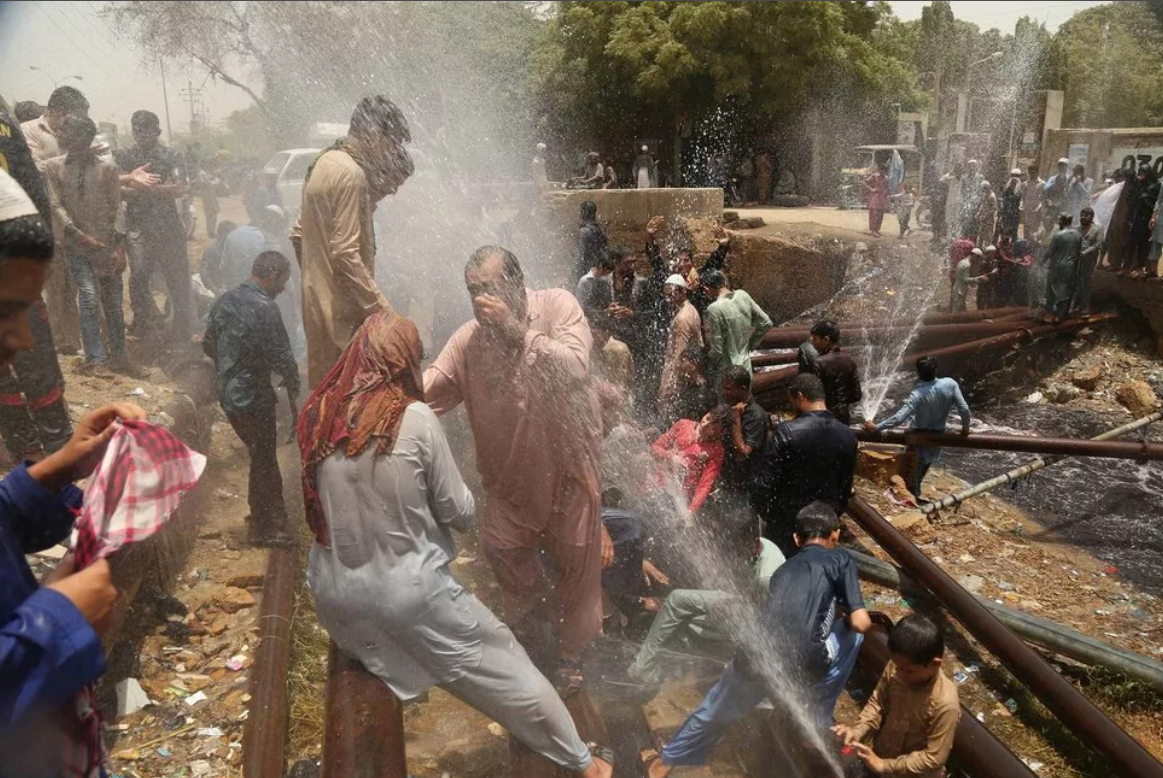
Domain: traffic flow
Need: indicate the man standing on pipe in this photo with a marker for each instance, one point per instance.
(929, 405)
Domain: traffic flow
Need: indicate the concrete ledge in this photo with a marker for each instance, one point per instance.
(1144, 296)
(630, 209)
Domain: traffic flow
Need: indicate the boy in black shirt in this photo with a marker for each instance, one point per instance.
(816, 647)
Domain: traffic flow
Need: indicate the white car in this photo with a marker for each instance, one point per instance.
(290, 167)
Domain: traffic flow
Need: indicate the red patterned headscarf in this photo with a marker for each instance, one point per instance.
(362, 399)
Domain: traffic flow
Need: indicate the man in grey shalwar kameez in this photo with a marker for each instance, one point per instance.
(1061, 260)
(381, 492)
(1092, 239)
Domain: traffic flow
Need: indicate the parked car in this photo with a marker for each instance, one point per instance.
(290, 167)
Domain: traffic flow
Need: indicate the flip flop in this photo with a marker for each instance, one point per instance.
(568, 678)
(646, 758)
(605, 753)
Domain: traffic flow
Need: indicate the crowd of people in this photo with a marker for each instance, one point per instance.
(1039, 243)
(614, 425)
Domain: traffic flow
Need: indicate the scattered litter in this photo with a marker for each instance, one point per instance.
(980, 717)
(236, 662)
(1005, 586)
(1034, 398)
(965, 559)
(199, 767)
(164, 752)
(131, 697)
(960, 676)
(138, 392)
(1011, 705)
(496, 729)
(56, 552)
(194, 699)
(128, 755)
(209, 732)
(1033, 764)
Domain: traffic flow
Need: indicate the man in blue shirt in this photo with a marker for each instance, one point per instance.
(50, 645)
(805, 657)
(929, 405)
(246, 339)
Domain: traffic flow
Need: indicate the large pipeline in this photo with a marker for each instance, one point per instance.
(1029, 445)
(265, 733)
(1021, 472)
(1047, 634)
(1079, 714)
(995, 314)
(779, 338)
(363, 735)
(976, 751)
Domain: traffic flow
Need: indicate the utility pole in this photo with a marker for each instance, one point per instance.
(166, 98)
(194, 98)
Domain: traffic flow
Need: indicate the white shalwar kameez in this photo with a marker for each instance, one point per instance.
(385, 594)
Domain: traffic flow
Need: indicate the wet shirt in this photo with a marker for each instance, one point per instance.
(246, 339)
(735, 323)
(913, 726)
(841, 380)
(148, 210)
(699, 461)
(1091, 243)
(929, 405)
(48, 651)
(86, 198)
(811, 457)
(686, 330)
(591, 247)
(595, 295)
(802, 600)
(239, 251)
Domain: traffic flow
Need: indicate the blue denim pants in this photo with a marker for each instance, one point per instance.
(95, 290)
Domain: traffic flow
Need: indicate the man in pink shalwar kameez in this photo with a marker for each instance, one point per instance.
(521, 368)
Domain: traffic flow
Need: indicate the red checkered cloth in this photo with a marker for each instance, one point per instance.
(134, 490)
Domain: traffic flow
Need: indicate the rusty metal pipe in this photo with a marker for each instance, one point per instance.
(363, 735)
(800, 333)
(265, 733)
(1017, 336)
(976, 751)
(1078, 713)
(968, 330)
(1112, 449)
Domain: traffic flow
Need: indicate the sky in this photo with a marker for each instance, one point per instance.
(1002, 15)
(70, 38)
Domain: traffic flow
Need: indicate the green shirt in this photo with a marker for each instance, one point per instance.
(735, 325)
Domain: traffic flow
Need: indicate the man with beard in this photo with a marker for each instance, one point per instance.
(334, 238)
(1092, 237)
(522, 369)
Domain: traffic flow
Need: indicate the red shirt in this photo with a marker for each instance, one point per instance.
(701, 460)
(876, 191)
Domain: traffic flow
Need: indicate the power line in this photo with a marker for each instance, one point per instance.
(65, 33)
(83, 47)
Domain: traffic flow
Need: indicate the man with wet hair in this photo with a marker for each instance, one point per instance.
(809, 458)
(155, 233)
(595, 290)
(334, 238)
(246, 339)
(521, 367)
(807, 644)
(747, 434)
(821, 356)
(86, 199)
(928, 406)
(685, 330)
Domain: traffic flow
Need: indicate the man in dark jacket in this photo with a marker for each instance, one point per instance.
(812, 457)
(821, 356)
(246, 339)
(591, 241)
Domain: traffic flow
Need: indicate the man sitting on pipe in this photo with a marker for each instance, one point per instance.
(929, 405)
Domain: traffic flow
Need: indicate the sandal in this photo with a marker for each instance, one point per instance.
(646, 758)
(568, 678)
(605, 753)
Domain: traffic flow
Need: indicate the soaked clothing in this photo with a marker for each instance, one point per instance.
(615, 364)
(389, 518)
(591, 247)
(1062, 258)
(734, 325)
(48, 651)
(239, 251)
(157, 242)
(246, 339)
(840, 377)
(86, 198)
(535, 424)
(913, 726)
(337, 250)
(686, 330)
(595, 294)
(929, 405)
(739, 472)
(33, 416)
(706, 612)
(811, 457)
(699, 461)
(1092, 240)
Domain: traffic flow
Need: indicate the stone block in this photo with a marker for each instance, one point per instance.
(1137, 397)
(1087, 378)
(880, 463)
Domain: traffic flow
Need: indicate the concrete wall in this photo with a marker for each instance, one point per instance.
(1144, 296)
(632, 208)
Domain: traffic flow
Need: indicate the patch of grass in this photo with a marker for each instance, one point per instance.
(306, 677)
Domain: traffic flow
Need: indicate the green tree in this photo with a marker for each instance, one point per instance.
(1107, 64)
(616, 69)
